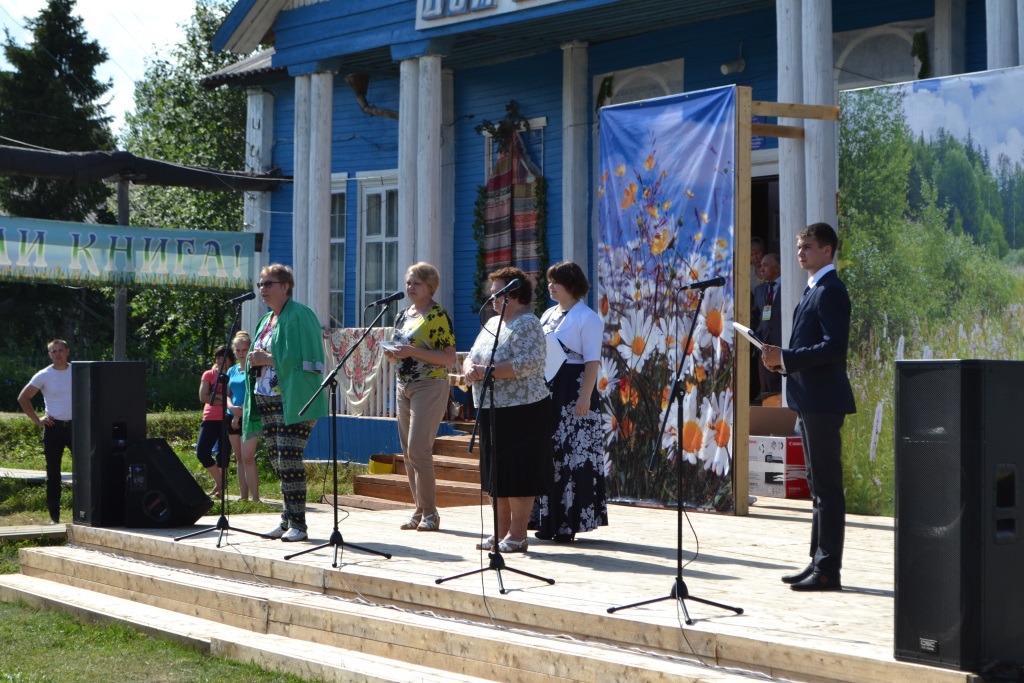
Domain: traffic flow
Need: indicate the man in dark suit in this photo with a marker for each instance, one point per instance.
(819, 390)
(766, 318)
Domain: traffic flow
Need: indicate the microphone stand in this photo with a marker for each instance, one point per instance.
(679, 590)
(497, 562)
(224, 444)
(336, 540)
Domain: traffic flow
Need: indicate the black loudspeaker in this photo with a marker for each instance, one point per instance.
(108, 414)
(959, 548)
(159, 490)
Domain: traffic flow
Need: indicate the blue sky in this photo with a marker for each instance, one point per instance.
(131, 31)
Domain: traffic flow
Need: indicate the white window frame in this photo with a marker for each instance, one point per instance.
(536, 126)
(339, 186)
(377, 183)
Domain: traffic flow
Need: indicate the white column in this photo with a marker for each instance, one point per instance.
(259, 147)
(318, 249)
(792, 176)
(1020, 32)
(821, 137)
(1001, 33)
(300, 186)
(428, 162)
(575, 170)
(446, 259)
(948, 51)
(408, 115)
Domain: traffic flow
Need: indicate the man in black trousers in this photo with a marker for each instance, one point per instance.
(818, 389)
(766, 318)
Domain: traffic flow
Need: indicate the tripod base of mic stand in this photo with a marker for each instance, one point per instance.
(338, 542)
(223, 527)
(680, 593)
(497, 564)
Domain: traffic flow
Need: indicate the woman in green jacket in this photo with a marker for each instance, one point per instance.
(286, 367)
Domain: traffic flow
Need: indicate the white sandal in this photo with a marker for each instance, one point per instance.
(431, 522)
(412, 523)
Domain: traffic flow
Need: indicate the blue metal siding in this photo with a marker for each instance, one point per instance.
(976, 49)
(705, 47)
(535, 84)
(847, 16)
(342, 27)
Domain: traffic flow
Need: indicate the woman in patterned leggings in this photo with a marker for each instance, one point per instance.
(286, 365)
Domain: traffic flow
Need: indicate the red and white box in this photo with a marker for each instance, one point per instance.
(776, 455)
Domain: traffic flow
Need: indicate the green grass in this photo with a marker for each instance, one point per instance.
(20, 448)
(43, 647)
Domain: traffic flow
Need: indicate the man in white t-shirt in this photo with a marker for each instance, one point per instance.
(55, 383)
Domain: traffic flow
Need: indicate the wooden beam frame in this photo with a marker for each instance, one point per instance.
(746, 108)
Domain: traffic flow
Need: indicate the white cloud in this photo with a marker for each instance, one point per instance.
(985, 105)
(131, 31)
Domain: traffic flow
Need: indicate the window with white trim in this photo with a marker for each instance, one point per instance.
(337, 267)
(378, 229)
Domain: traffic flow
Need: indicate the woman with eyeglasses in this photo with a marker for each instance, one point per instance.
(286, 366)
(245, 451)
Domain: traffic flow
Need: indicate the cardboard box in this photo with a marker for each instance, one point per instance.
(776, 466)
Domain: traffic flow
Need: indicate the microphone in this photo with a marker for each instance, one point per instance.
(248, 296)
(397, 296)
(713, 282)
(506, 289)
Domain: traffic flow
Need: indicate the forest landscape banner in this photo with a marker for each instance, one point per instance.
(666, 207)
(931, 227)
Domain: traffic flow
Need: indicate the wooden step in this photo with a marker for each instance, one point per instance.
(396, 487)
(307, 659)
(456, 445)
(447, 468)
(408, 638)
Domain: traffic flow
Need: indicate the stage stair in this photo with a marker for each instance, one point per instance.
(456, 469)
(325, 624)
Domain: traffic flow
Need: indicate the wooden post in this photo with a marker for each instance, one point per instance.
(575, 181)
(408, 115)
(741, 289)
(428, 170)
(318, 246)
(121, 294)
(300, 186)
(1001, 33)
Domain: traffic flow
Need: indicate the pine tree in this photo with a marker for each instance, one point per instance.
(52, 99)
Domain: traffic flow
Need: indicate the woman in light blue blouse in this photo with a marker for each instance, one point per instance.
(522, 412)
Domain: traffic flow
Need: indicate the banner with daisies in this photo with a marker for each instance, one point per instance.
(666, 202)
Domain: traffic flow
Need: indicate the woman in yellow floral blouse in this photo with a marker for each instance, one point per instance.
(424, 348)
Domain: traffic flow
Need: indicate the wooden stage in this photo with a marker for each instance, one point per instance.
(465, 630)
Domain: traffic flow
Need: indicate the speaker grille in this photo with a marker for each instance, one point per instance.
(956, 430)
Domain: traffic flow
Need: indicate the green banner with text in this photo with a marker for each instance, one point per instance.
(65, 253)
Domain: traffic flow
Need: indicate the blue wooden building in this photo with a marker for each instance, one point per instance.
(372, 107)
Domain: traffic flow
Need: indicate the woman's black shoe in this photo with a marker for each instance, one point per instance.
(544, 536)
(564, 538)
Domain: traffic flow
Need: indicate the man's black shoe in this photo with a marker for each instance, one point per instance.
(818, 582)
(799, 576)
